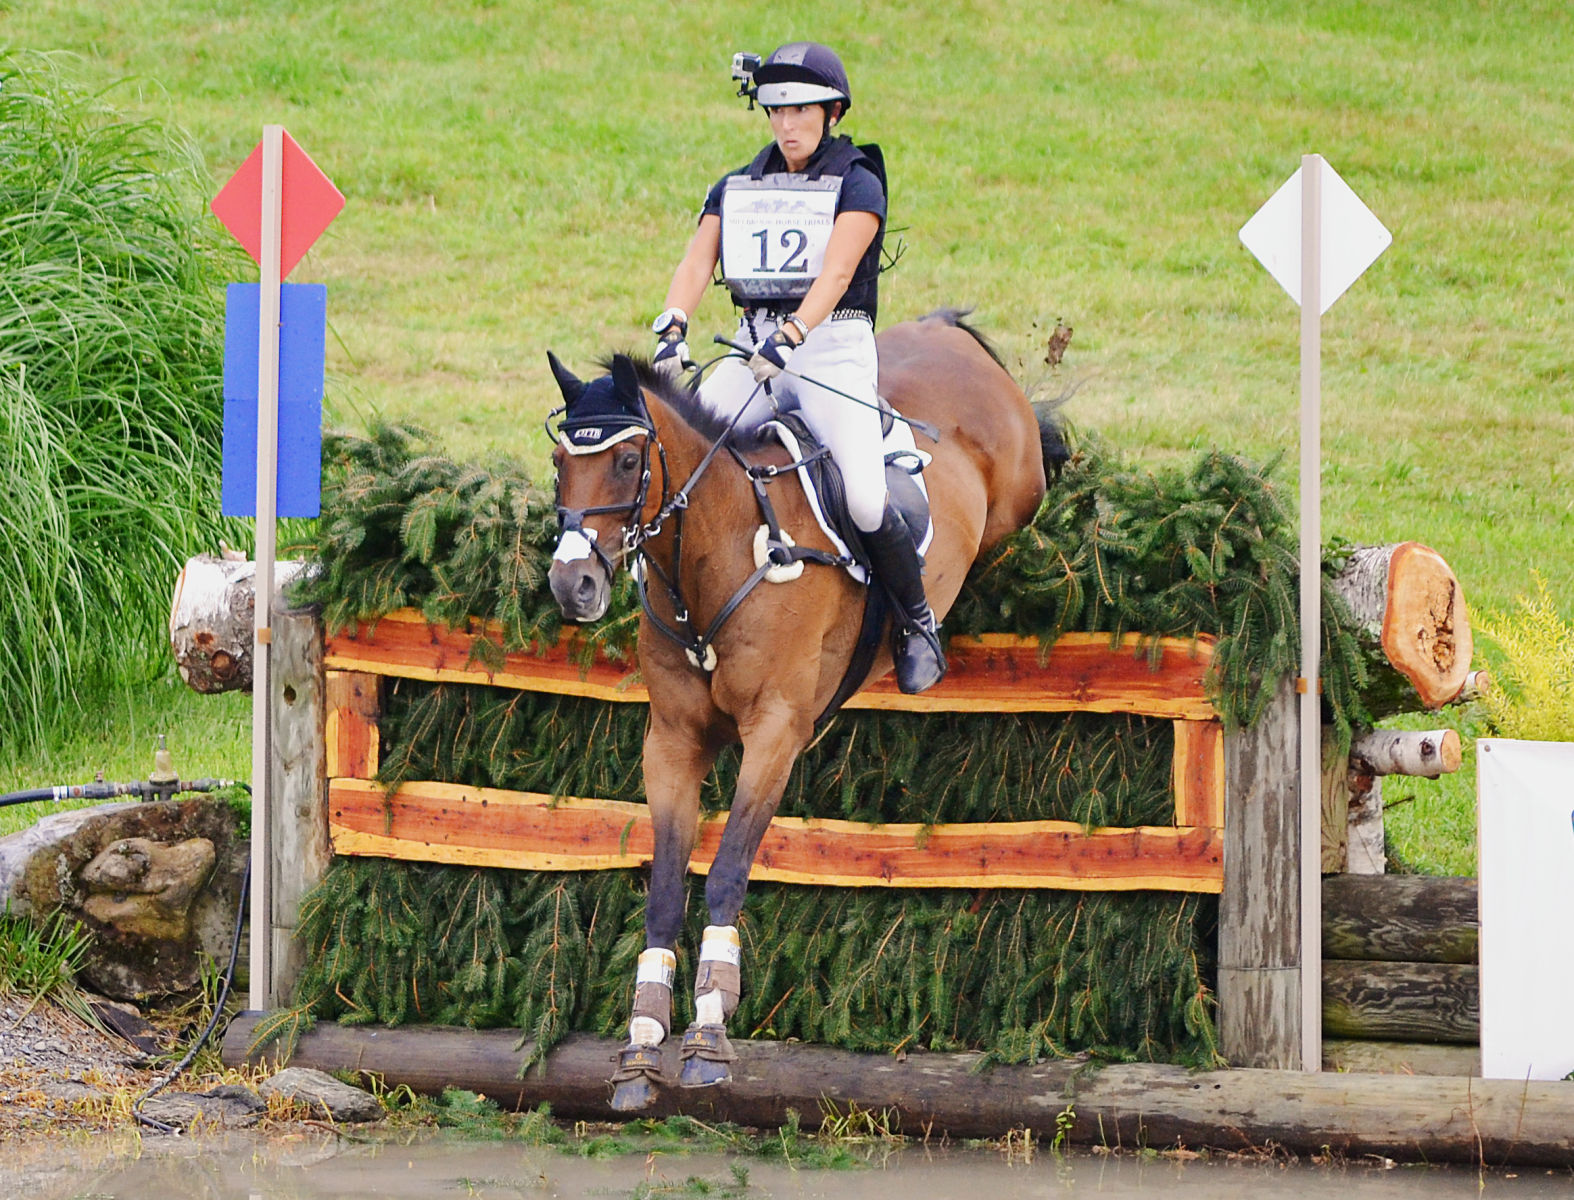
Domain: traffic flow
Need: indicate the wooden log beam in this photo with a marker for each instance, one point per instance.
(1412, 1002)
(1426, 754)
(1400, 918)
(989, 673)
(1138, 1105)
(451, 823)
(1410, 610)
(1401, 1058)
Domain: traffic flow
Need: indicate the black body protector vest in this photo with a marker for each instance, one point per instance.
(775, 226)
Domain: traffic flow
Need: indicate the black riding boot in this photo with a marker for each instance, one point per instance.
(920, 663)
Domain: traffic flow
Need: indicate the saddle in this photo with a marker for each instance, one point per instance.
(822, 484)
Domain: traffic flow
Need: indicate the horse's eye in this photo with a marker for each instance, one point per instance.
(628, 461)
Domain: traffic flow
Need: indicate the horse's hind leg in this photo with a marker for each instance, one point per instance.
(676, 761)
(768, 754)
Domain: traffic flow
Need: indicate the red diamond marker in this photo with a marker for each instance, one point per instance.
(310, 203)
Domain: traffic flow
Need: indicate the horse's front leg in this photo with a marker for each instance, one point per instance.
(770, 746)
(676, 761)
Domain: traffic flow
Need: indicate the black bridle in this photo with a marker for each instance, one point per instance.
(697, 646)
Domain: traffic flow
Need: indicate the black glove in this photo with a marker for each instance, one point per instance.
(672, 350)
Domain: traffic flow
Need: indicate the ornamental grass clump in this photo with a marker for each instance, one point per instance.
(111, 361)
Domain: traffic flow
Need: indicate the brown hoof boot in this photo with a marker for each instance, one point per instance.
(634, 1082)
(706, 1053)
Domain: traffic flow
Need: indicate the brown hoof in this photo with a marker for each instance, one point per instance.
(706, 1054)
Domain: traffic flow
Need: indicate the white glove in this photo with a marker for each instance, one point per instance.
(672, 350)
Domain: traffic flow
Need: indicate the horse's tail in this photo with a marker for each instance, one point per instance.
(1051, 429)
(1052, 434)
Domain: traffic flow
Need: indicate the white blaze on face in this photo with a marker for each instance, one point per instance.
(574, 545)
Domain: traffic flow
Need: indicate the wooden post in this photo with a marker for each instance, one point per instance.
(267, 540)
(1260, 1008)
(297, 841)
(1310, 902)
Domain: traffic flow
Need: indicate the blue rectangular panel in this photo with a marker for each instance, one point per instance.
(303, 324)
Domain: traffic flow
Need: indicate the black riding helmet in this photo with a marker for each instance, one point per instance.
(802, 73)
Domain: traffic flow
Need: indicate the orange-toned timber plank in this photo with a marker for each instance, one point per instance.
(1198, 774)
(436, 822)
(354, 704)
(989, 673)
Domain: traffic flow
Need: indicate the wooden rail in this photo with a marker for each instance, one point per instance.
(440, 822)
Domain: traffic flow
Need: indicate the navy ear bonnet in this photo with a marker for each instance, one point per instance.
(601, 412)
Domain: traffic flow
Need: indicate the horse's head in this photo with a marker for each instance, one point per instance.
(603, 475)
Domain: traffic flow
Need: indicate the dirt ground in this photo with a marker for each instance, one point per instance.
(59, 1074)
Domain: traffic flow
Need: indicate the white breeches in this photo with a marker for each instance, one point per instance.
(840, 353)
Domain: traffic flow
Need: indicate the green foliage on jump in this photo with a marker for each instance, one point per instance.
(1019, 974)
(111, 356)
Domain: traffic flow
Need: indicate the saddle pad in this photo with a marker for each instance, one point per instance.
(900, 452)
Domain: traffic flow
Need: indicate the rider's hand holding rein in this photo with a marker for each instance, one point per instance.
(672, 347)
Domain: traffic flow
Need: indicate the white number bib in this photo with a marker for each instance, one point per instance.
(774, 232)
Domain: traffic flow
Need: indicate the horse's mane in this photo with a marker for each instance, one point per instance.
(685, 402)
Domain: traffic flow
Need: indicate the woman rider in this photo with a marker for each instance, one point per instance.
(798, 233)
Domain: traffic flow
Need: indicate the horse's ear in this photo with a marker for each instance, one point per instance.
(625, 383)
(568, 383)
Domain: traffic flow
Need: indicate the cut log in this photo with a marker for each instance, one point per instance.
(1410, 614)
(1427, 754)
(1366, 850)
(1409, 1002)
(1477, 685)
(1400, 918)
(1135, 1105)
(212, 620)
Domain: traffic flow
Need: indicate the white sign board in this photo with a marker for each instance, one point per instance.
(1525, 809)
(1351, 239)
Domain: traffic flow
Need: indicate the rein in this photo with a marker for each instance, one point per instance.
(698, 648)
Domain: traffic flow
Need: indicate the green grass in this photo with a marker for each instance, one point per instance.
(524, 175)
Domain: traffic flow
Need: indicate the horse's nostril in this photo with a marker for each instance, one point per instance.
(586, 592)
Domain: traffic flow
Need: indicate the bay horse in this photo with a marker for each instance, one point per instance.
(771, 658)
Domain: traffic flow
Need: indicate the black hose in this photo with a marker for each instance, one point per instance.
(144, 789)
(218, 1012)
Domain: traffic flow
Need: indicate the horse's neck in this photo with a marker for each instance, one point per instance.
(684, 448)
(724, 490)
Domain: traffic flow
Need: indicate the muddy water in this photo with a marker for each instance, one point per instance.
(327, 1168)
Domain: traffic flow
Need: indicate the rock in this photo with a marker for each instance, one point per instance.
(325, 1094)
(155, 883)
(146, 889)
(237, 1108)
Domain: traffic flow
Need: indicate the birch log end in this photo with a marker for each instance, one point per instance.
(212, 620)
(1408, 605)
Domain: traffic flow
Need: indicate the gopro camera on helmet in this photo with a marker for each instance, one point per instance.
(744, 65)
